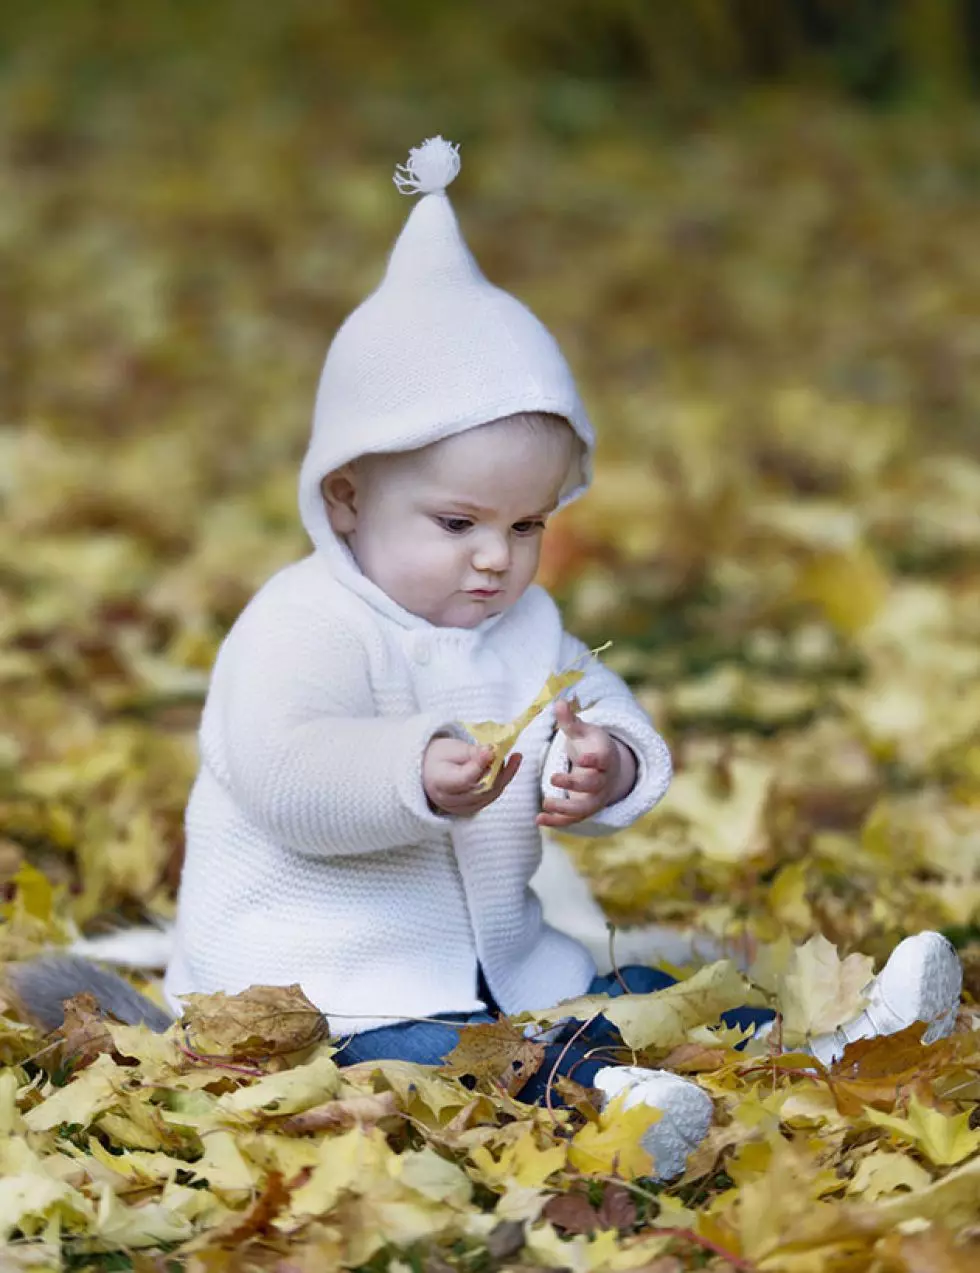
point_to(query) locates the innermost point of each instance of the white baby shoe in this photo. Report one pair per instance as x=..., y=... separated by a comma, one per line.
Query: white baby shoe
x=687, y=1112
x=921, y=981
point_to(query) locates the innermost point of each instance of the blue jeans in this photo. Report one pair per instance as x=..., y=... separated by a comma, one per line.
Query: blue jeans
x=429, y=1042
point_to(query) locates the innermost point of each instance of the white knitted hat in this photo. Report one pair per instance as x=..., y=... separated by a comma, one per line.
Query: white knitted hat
x=434, y=350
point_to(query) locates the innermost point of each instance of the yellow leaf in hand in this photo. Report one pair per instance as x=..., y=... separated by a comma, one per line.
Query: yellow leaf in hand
x=612, y=1146
x=502, y=738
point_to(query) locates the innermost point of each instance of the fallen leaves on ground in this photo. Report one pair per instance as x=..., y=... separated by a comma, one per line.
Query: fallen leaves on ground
x=146, y=1144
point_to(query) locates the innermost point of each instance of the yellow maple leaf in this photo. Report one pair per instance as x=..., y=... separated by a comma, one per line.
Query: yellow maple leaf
x=883, y=1173
x=613, y=1147
x=945, y=1139
x=662, y=1018
x=818, y=990
x=521, y=1163
x=502, y=738
x=81, y=1100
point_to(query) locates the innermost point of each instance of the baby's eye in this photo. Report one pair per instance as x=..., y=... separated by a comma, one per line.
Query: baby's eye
x=529, y=527
x=455, y=525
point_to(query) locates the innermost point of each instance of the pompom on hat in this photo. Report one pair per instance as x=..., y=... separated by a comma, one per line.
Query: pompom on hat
x=434, y=350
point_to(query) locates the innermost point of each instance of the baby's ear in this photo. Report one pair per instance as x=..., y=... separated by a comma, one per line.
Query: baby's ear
x=340, y=496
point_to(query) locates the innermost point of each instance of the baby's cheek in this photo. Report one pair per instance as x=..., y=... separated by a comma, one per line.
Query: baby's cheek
x=526, y=562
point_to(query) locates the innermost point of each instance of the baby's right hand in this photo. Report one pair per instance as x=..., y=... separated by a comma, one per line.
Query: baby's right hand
x=451, y=773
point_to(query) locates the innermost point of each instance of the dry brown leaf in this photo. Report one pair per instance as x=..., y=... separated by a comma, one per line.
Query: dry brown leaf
x=260, y=1022
x=340, y=1114
x=496, y=1051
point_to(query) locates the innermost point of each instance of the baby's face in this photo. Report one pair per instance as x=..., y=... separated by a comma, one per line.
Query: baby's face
x=452, y=532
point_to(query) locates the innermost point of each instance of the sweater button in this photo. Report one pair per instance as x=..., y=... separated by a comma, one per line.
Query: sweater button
x=421, y=652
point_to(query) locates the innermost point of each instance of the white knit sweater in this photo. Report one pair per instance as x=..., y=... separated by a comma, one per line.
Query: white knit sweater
x=312, y=854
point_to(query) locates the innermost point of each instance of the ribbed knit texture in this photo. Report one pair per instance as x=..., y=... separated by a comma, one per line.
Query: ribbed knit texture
x=312, y=854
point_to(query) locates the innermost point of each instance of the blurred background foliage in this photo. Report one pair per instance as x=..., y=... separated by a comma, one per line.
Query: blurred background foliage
x=753, y=228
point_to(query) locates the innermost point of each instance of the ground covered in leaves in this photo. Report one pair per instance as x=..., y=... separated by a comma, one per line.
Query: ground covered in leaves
x=773, y=314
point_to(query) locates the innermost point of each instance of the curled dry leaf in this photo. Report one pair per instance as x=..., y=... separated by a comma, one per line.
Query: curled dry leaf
x=260, y=1022
x=340, y=1114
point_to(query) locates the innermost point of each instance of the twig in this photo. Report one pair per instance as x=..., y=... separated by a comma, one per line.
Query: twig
x=561, y=1056
x=218, y=1062
x=611, y=929
x=736, y=1261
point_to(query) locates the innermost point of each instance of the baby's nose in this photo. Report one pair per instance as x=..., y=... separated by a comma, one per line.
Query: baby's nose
x=492, y=554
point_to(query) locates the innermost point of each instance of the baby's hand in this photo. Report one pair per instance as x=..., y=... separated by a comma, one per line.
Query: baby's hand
x=451, y=772
x=603, y=771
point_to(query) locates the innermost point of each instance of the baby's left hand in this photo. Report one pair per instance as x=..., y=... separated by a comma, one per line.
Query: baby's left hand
x=603, y=771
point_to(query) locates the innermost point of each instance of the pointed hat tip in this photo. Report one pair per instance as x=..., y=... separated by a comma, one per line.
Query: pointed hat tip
x=430, y=167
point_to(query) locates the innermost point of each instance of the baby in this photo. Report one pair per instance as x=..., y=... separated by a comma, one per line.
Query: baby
x=339, y=834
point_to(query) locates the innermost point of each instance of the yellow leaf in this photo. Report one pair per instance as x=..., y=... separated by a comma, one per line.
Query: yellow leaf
x=849, y=587
x=136, y=1166
x=884, y=1173
x=34, y=894
x=662, y=1018
x=726, y=817
x=230, y=1177
x=502, y=738
x=434, y=1177
x=287, y=1092
x=418, y=1089
x=521, y=1162
x=945, y=1139
x=582, y=1254
x=818, y=991
x=171, y=1218
x=355, y=1158
x=612, y=1147
x=787, y=896
x=953, y=1200
x=28, y=1201
x=11, y=1122
x=87, y=1095
x=771, y=963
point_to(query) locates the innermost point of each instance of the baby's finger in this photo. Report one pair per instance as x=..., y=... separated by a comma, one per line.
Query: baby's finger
x=575, y=805
x=568, y=722
x=462, y=778
x=579, y=780
x=509, y=770
x=557, y=820
x=479, y=763
x=590, y=760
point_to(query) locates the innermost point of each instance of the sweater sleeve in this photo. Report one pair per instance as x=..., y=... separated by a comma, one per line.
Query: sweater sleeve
x=616, y=710
x=291, y=729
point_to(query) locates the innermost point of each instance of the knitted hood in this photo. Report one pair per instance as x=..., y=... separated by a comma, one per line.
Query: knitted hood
x=434, y=350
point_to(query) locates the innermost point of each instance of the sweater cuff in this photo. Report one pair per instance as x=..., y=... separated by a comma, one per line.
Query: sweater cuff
x=653, y=773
